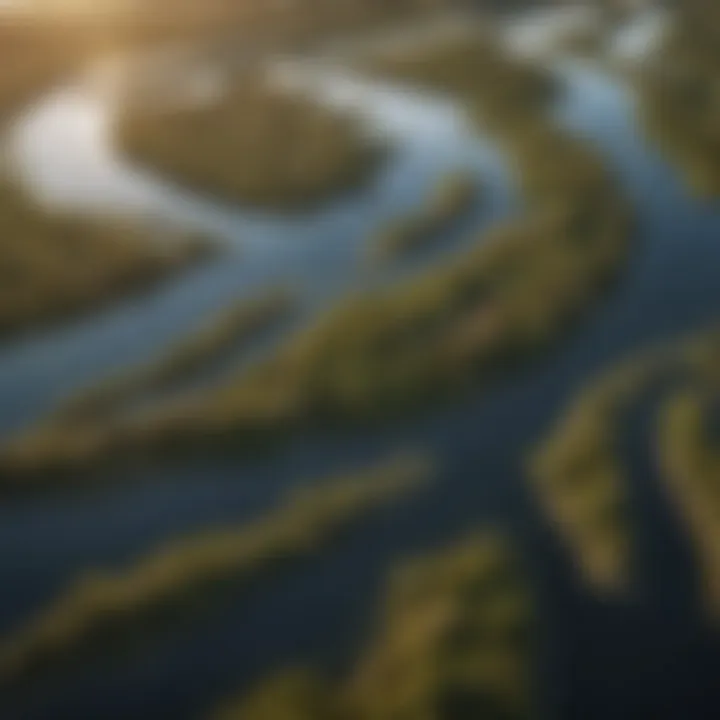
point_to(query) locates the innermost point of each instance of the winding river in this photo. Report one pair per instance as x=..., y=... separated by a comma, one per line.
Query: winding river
x=320, y=609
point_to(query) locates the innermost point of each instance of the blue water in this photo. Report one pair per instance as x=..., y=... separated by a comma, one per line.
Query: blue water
x=647, y=657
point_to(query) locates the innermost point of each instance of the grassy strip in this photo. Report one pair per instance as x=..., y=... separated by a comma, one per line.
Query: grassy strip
x=235, y=327
x=54, y=266
x=452, y=198
x=581, y=482
x=102, y=604
x=455, y=641
x=257, y=145
x=578, y=473
x=690, y=459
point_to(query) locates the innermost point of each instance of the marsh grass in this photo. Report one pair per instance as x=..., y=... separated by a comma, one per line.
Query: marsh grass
x=581, y=479
x=679, y=90
x=689, y=456
x=455, y=639
x=258, y=145
x=105, y=604
x=54, y=265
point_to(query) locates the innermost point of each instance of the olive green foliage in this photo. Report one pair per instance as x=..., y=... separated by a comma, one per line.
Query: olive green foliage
x=232, y=329
x=454, y=641
x=581, y=479
x=256, y=145
x=679, y=93
x=101, y=604
x=690, y=458
x=54, y=265
x=450, y=200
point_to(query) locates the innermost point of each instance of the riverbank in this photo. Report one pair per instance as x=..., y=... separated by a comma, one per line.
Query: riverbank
x=409, y=347
x=55, y=266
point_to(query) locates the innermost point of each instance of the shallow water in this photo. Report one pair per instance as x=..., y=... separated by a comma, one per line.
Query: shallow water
x=647, y=657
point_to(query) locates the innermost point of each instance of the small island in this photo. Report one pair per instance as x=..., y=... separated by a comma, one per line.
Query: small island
x=454, y=640
x=583, y=482
x=255, y=144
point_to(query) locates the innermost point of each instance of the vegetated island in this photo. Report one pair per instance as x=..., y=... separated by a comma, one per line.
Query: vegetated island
x=455, y=640
x=678, y=88
x=582, y=481
x=449, y=202
x=513, y=292
x=54, y=265
x=105, y=605
x=256, y=144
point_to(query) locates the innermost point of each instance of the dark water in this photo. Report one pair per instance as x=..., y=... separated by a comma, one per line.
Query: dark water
x=645, y=657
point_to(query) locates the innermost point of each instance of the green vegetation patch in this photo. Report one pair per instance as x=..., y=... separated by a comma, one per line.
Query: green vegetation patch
x=231, y=329
x=679, y=92
x=256, y=145
x=103, y=603
x=581, y=479
x=455, y=640
x=690, y=458
x=53, y=266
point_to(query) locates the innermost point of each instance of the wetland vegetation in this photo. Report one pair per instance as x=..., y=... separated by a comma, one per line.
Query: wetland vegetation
x=256, y=144
x=454, y=640
x=679, y=92
x=689, y=455
x=231, y=329
x=582, y=479
x=54, y=265
x=102, y=604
